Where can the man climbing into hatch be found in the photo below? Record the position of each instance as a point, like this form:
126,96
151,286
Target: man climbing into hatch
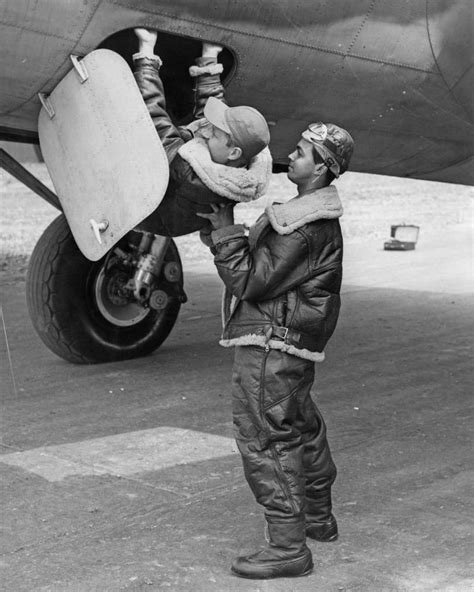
221,158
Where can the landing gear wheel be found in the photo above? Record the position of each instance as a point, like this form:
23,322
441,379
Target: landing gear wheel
80,309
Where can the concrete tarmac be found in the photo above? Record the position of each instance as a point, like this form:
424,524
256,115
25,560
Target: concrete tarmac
125,476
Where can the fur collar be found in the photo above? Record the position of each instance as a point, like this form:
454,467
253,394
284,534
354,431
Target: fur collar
287,217
237,184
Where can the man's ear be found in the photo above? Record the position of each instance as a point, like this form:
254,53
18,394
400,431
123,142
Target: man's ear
319,169
235,153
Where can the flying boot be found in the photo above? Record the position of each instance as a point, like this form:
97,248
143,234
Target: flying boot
320,522
285,556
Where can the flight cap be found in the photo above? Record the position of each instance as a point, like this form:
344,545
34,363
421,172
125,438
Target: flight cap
333,143
245,125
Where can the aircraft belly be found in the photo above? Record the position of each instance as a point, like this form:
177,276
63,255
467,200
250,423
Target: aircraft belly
102,151
385,70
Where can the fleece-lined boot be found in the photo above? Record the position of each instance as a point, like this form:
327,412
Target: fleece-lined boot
324,532
285,556
320,522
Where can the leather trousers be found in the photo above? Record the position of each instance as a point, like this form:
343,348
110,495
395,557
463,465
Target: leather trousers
280,432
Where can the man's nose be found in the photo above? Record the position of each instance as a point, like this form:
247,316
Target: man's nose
291,156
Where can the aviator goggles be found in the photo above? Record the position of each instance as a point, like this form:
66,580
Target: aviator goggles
317,135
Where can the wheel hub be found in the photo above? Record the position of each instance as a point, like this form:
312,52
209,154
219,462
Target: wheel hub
115,301
115,289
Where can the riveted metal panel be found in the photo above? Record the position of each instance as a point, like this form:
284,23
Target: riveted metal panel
102,151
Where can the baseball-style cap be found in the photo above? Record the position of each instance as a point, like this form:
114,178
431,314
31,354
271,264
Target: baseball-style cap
333,143
246,126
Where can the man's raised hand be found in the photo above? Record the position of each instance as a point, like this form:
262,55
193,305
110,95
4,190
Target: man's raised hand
222,215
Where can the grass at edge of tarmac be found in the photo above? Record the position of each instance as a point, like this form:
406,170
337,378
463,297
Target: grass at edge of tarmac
372,203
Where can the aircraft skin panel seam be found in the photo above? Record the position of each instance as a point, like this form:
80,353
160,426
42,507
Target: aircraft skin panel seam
390,132
378,170
14,25
419,173
7,24
347,53
407,158
459,80
76,41
437,107
426,98
379,61
361,26
450,89
194,21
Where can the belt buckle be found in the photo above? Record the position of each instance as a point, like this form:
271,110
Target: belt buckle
285,334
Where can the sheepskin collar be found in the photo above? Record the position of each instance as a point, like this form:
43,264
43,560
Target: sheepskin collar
237,184
322,203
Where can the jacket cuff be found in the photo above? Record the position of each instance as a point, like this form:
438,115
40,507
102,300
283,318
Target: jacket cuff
144,59
222,235
211,69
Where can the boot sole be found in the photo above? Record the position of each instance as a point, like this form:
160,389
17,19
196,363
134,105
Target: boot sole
271,577
330,539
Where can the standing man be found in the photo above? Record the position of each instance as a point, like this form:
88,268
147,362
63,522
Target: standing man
283,282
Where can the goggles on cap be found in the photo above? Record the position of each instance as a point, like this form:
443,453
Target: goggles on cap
317,134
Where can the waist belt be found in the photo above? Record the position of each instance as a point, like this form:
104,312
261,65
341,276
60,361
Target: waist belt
296,338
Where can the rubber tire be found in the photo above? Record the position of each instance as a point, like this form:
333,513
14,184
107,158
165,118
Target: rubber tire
64,311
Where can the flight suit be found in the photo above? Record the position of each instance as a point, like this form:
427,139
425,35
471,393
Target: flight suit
282,282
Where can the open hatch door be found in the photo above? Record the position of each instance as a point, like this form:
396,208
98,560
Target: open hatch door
103,154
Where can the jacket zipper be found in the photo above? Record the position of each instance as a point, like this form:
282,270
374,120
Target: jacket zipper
283,483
